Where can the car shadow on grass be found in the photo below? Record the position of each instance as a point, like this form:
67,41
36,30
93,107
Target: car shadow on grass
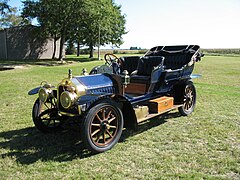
28,145
44,62
148,124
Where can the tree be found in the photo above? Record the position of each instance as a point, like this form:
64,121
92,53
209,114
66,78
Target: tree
56,17
11,18
78,20
4,7
70,49
103,24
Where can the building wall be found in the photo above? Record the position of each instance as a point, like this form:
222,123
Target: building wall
50,47
24,42
3,50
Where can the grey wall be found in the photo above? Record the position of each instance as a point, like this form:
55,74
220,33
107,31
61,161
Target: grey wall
23,42
3,50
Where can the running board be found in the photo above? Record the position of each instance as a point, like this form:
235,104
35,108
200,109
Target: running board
152,115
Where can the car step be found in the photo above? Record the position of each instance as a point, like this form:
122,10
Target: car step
155,108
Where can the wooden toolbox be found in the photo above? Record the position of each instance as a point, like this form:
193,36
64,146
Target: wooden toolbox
160,104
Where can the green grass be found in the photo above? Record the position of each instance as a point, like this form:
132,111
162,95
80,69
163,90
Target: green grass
219,52
204,145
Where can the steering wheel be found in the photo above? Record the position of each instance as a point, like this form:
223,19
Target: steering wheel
114,62
110,58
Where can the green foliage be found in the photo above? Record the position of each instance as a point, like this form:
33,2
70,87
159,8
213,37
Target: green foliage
135,48
102,24
79,20
204,145
115,51
126,51
56,17
70,49
4,7
218,52
85,51
142,51
11,18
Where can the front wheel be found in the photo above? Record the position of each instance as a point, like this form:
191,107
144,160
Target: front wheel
102,127
189,99
45,116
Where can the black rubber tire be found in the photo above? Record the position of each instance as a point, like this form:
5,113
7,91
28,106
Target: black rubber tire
188,99
97,122
45,125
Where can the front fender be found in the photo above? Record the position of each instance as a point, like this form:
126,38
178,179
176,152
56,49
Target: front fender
130,119
193,76
34,91
86,101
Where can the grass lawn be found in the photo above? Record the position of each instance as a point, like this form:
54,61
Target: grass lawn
204,145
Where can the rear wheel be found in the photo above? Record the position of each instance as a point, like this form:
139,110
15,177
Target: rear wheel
189,99
102,127
45,116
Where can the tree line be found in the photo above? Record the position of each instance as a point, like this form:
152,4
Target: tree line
83,22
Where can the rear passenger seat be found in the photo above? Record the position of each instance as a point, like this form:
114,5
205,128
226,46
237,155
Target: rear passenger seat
175,60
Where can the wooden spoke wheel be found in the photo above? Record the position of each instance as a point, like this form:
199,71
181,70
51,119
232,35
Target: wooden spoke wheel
189,99
102,127
45,116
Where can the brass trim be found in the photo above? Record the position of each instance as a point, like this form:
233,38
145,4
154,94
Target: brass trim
46,91
71,96
68,114
79,110
80,88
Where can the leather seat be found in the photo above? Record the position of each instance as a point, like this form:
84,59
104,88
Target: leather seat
175,60
129,63
145,67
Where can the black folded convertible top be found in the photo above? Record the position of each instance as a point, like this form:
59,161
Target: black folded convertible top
160,50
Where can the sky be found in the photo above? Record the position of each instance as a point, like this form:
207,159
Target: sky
208,23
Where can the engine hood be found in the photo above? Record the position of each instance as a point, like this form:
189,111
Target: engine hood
95,83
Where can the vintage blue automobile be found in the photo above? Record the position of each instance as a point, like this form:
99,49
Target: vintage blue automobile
121,93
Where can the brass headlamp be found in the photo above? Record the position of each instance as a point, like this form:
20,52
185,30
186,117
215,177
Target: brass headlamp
45,92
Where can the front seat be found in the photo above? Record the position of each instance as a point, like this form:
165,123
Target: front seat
144,69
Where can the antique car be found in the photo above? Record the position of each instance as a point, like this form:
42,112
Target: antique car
119,94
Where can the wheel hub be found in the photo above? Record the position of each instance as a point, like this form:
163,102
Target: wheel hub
188,98
104,126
